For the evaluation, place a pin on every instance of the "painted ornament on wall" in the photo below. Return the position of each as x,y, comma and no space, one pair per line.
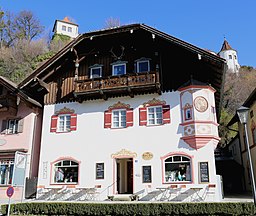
201,104
147,155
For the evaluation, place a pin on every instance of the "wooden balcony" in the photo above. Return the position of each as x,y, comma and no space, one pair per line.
126,84
8,102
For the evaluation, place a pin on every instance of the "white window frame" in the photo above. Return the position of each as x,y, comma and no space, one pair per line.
12,128
64,28
70,29
66,170
118,65
142,61
155,115
95,67
119,122
66,128
171,176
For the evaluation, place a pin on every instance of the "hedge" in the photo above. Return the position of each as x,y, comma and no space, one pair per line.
121,208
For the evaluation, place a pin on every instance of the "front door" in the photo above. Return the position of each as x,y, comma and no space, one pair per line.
124,175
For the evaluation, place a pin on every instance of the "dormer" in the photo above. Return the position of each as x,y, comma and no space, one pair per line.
65,27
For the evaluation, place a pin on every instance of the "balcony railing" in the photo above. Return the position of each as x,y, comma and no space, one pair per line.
123,82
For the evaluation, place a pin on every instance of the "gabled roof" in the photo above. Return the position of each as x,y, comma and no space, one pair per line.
120,29
11,86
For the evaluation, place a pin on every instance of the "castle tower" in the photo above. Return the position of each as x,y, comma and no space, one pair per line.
65,27
230,55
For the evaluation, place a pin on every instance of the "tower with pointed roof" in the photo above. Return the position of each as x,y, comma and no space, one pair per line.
65,27
228,53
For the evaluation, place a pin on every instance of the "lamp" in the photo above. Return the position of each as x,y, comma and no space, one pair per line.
242,113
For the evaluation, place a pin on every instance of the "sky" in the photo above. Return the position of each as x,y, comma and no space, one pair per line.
199,22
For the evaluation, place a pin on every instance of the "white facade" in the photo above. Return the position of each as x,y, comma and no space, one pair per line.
65,27
124,151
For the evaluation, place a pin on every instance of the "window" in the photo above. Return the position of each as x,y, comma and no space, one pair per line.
235,56
142,65
69,29
230,56
6,171
154,112
99,170
188,113
95,71
155,115
12,126
177,168
119,115
66,171
118,118
64,122
119,68
63,28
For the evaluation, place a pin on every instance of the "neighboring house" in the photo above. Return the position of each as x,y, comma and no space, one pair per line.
251,126
65,27
20,119
129,110
228,53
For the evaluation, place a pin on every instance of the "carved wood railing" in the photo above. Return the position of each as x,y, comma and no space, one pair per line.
117,82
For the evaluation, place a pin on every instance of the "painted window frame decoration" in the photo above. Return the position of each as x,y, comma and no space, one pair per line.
6,171
116,65
12,126
144,118
65,171
142,60
95,67
55,121
108,115
177,167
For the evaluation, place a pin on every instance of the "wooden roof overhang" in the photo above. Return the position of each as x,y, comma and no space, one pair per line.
179,60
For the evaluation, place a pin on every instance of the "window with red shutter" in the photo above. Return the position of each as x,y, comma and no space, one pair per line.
54,120
143,116
107,119
73,122
129,117
166,114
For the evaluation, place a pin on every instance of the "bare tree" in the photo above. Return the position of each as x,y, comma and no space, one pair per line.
112,22
27,25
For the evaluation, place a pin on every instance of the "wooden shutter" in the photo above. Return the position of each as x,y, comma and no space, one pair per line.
107,119
129,117
166,114
73,122
20,125
54,120
143,116
4,126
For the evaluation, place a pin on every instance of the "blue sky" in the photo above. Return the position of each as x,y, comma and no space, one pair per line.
200,22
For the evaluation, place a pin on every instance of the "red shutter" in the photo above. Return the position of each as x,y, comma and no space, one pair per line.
143,116
129,117
107,119
73,122
166,114
54,121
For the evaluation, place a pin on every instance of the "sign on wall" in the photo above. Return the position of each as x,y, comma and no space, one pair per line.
146,174
20,163
204,171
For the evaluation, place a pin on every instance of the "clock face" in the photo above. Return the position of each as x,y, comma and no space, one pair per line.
201,104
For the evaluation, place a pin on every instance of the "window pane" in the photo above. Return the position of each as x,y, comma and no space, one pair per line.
66,163
143,66
159,121
95,72
177,158
119,70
